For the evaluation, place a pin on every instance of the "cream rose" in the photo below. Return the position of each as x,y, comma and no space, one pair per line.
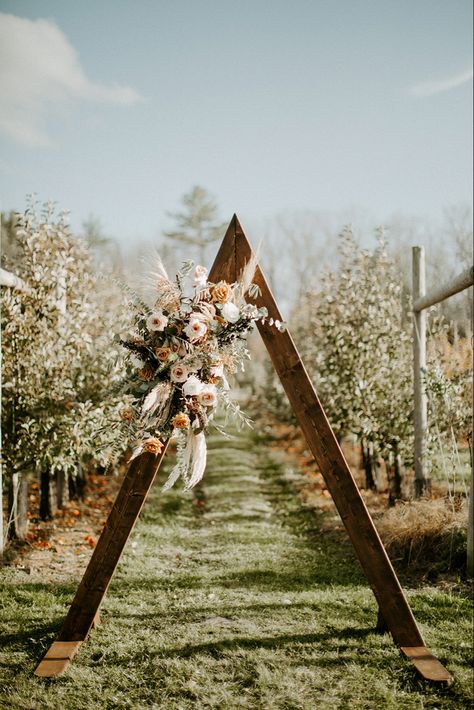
179,373
163,354
157,321
127,414
196,329
208,396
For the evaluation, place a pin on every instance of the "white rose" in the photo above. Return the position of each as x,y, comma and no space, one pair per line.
192,386
230,312
200,276
195,329
178,373
208,396
157,321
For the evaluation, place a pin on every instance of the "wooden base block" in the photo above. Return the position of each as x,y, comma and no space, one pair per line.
57,658
427,665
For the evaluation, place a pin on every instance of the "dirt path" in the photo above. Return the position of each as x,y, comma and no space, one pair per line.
231,597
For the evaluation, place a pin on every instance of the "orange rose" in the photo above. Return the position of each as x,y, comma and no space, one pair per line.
153,445
181,421
163,354
146,373
221,292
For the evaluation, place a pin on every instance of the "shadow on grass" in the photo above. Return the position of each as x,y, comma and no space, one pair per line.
33,629
34,636
264,580
216,648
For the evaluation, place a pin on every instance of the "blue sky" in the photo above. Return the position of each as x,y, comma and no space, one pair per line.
117,108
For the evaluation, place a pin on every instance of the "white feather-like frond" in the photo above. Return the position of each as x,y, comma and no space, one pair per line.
172,478
248,272
192,462
156,398
199,458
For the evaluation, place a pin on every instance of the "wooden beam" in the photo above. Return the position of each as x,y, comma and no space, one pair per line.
83,613
427,665
450,288
234,253
420,403
12,281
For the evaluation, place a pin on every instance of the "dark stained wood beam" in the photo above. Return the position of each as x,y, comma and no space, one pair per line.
84,610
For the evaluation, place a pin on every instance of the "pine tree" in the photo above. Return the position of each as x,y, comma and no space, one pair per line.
197,224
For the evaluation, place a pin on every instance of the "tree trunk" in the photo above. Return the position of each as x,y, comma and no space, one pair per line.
368,465
17,507
62,489
77,483
395,476
47,506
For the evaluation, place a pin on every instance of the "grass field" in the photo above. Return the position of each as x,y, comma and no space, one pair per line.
232,597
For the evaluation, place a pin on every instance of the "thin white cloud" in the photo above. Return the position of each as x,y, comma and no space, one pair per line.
39,72
430,88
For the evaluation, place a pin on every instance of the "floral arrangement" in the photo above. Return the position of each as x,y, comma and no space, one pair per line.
180,354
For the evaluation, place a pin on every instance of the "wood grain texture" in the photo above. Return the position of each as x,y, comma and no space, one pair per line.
57,658
427,665
84,611
125,511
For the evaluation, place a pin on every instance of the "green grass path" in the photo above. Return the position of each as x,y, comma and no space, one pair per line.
231,597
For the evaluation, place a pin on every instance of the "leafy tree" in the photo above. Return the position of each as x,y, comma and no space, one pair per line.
61,374
197,224
356,344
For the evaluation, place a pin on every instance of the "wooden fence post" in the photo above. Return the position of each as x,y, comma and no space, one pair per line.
422,482
470,531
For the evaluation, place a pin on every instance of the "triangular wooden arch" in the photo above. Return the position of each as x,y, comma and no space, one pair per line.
395,614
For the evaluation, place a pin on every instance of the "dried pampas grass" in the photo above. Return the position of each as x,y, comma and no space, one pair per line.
247,274
154,284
